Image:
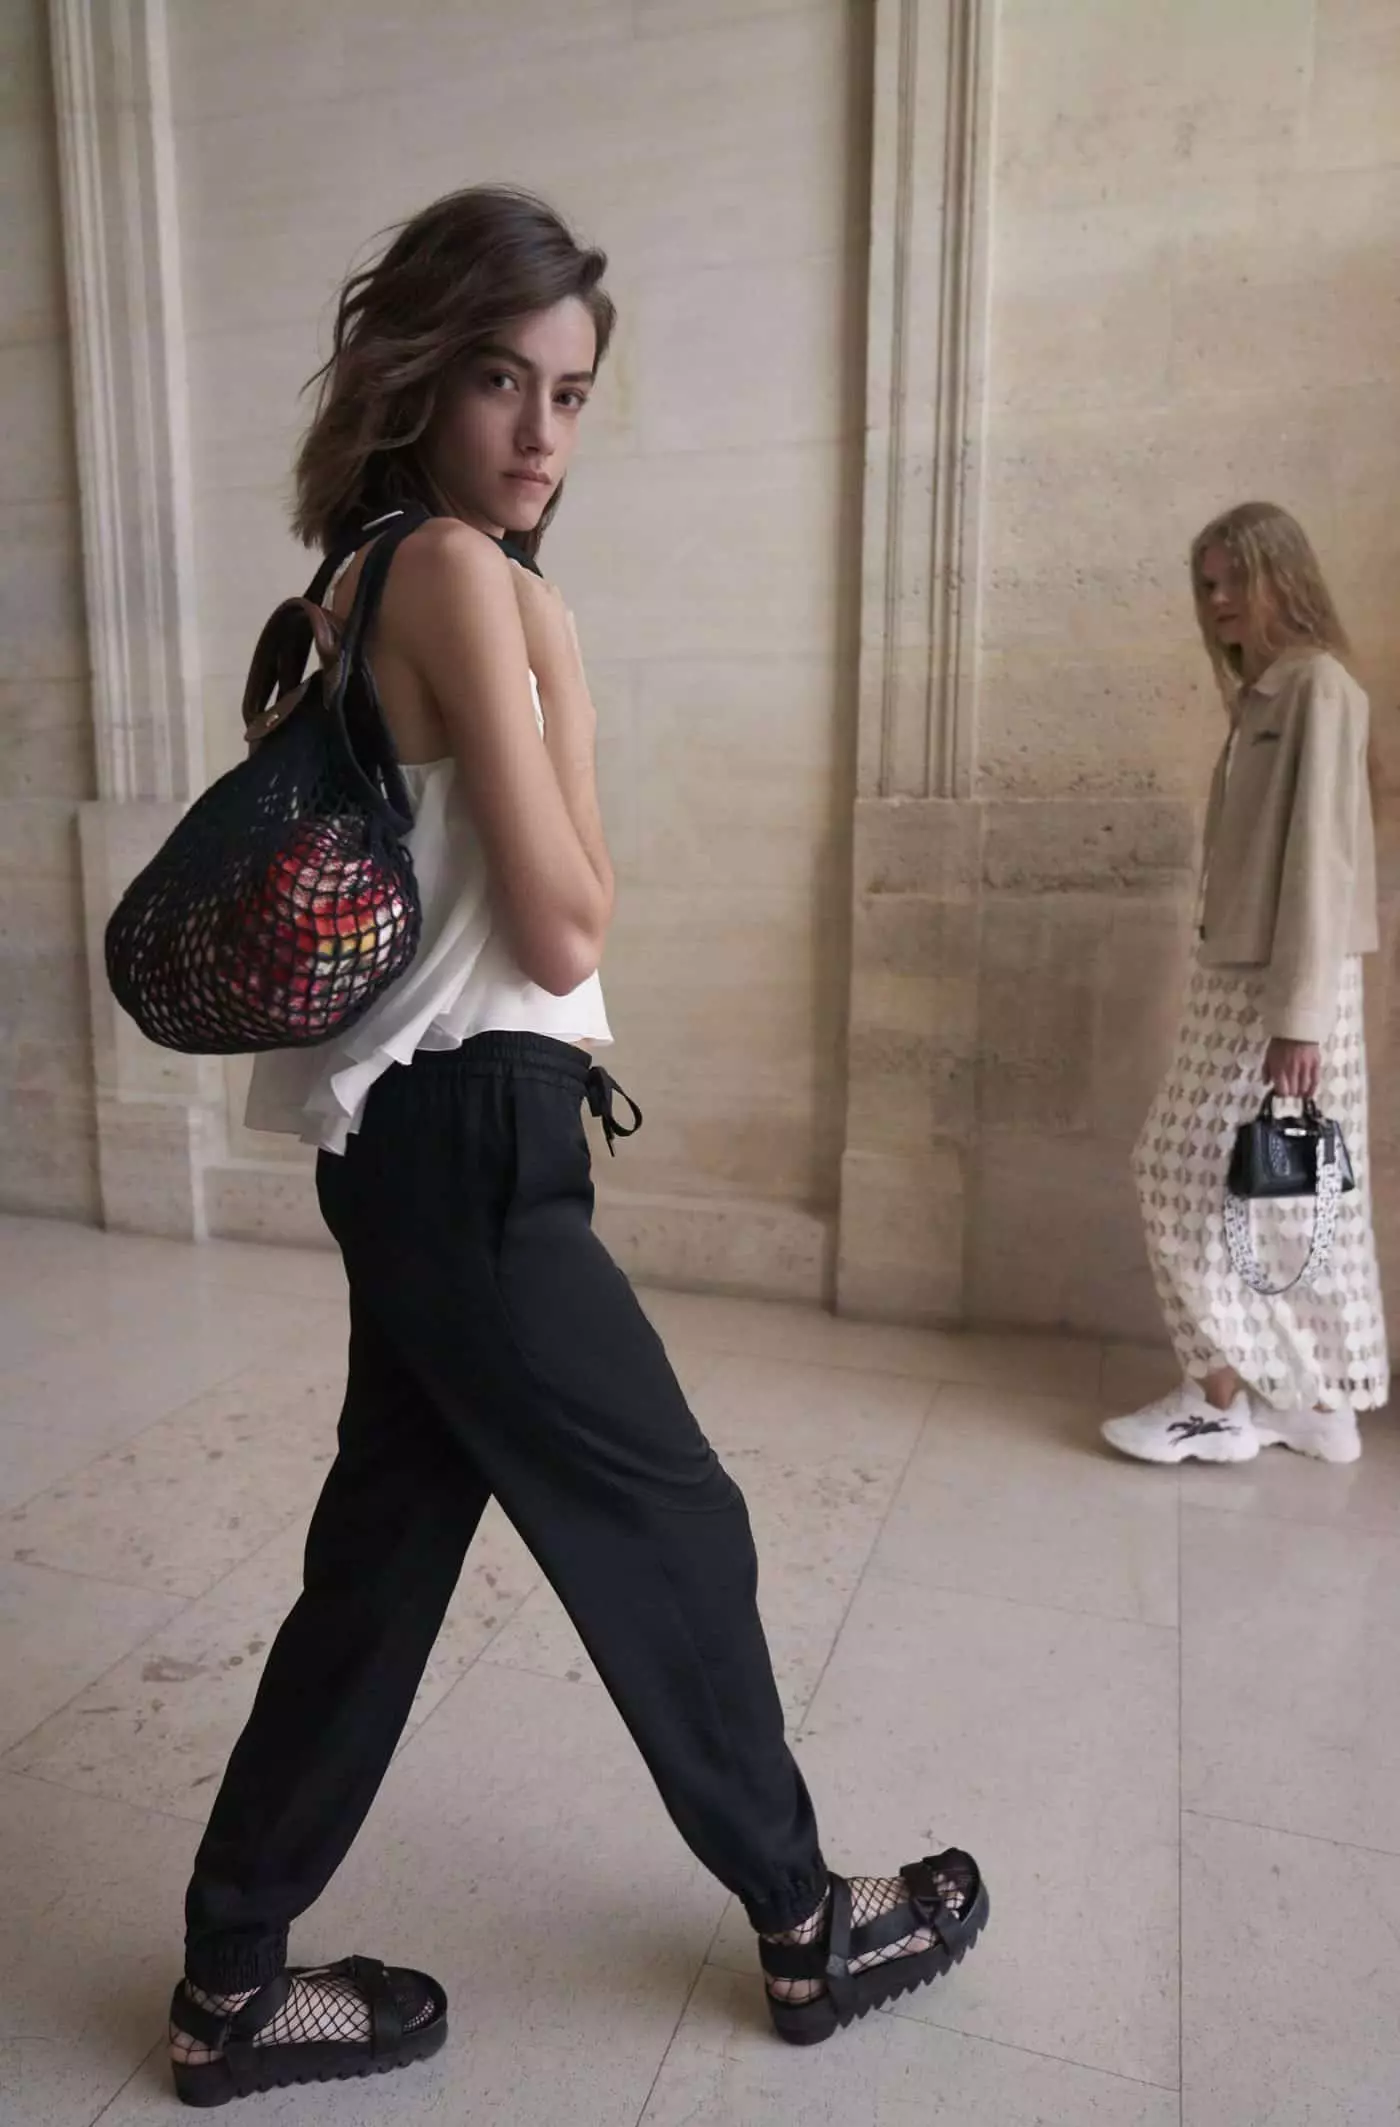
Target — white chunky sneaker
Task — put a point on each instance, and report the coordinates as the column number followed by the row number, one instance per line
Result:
column 1329, row 1436
column 1183, row 1426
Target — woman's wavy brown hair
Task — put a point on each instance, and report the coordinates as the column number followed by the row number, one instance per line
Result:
column 451, row 278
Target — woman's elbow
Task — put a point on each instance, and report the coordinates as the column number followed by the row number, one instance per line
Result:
column 563, row 961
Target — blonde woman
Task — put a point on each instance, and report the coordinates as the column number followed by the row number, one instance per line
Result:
column 1287, row 909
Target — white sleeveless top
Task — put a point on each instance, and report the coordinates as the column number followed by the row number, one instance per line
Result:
column 462, row 981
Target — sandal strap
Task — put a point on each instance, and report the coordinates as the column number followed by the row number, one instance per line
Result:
column 792, row 1960
column 839, row 1979
column 927, row 1902
column 227, row 2030
column 370, row 1979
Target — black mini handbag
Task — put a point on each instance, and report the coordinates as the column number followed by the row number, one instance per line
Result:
column 284, row 903
column 1285, row 1156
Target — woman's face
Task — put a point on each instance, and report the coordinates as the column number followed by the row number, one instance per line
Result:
column 1223, row 599
column 502, row 440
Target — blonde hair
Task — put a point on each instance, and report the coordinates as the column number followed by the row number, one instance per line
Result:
column 1286, row 600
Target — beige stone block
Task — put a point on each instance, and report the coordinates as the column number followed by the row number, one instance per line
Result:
column 729, row 1009
column 1054, row 1239
column 736, row 771
column 31, row 258
column 1089, row 516
column 1140, row 978
column 151, row 1157
column 38, row 463
column 1354, row 86
column 659, row 150
column 900, row 1239
column 48, row 1152
column 253, row 1200
column 930, row 846
column 1149, row 94
column 247, row 562
column 1079, row 294
column 39, row 876
column 1039, row 967
column 718, row 1244
column 247, row 412
column 1291, row 293
column 1145, row 725
column 913, row 1026
column 717, row 354
column 909, row 1087
column 45, row 740
column 913, row 935
column 731, row 555
column 1072, row 846
column 41, row 592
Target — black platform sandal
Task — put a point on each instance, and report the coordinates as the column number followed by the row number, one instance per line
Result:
column 407, row 2019
column 828, row 1958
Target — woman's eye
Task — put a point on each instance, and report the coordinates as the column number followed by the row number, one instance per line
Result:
column 500, row 379
column 573, row 401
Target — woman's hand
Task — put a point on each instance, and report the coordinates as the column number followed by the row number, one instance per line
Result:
column 1294, row 1068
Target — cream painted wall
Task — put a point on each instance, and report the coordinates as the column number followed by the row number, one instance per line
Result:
column 47, row 1129
column 1194, row 300
column 708, row 539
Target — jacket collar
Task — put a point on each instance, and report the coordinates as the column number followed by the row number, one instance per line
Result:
column 1272, row 678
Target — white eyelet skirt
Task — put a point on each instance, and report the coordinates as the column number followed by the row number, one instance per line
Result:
column 1314, row 1347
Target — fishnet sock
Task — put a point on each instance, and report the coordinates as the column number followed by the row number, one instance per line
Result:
column 870, row 1897
column 327, row 2009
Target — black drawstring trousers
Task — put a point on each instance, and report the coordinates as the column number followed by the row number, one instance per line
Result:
column 496, row 1349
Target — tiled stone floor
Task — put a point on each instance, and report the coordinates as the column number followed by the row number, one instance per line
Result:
column 1164, row 1709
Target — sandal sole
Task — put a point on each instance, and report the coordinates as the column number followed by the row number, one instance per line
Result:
column 810, row 2023
column 219, row 2083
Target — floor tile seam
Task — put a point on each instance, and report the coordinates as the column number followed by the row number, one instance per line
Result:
column 901, row 2014
column 421, row 1727
column 1018, row 1602
column 1287, row 1831
column 1008, row 2045
column 935, row 1380
column 675, row 2031
column 174, row 1410
column 1249, row 1516
column 185, row 1603
column 159, row 2047
column 88, row 1794
column 800, row 1719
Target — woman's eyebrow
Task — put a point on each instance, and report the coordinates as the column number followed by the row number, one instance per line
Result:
column 498, row 351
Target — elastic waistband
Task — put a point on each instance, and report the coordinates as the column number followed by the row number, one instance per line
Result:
column 507, row 1056
column 537, row 1056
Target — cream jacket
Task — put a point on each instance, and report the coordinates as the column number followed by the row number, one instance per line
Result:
column 1290, row 855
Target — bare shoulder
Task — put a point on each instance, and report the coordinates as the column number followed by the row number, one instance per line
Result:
column 444, row 554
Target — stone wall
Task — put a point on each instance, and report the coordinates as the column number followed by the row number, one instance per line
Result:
column 1194, row 216
column 945, row 325
column 47, row 1131
column 707, row 542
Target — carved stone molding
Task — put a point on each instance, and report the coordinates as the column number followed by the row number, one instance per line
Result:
column 925, row 371
column 121, row 243
column 159, row 1117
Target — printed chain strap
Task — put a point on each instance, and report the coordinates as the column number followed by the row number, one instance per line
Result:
column 1239, row 1233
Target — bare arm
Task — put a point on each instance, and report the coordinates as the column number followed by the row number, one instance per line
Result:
column 453, row 611
column 570, row 720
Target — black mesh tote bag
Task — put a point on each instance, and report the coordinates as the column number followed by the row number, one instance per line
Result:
column 284, row 903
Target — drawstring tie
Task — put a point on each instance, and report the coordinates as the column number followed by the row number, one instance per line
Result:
column 601, row 1090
